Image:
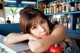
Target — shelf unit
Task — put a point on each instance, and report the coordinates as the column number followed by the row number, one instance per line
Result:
column 68, row 0
column 74, row 14
column 73, row 32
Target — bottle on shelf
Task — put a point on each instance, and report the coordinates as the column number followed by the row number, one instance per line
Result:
column 79, row 5
column 45, row 10
column 63, row 6
column 60, row 6
column 76, row 6
column 65, row 23
column 67, row 7
column 52, row 10
column 41, row 5
column 72, row 4
column 61, row 20
column 55, row 10
column 78, row 24
column 50, row 7
column 69, row 23
column 57, row 7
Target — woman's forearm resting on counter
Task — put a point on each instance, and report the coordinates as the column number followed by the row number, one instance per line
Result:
column 15, row 38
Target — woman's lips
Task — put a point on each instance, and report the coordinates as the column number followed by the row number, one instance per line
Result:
column 46, row 34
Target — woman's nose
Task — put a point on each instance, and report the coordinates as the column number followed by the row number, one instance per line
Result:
column 42, row 29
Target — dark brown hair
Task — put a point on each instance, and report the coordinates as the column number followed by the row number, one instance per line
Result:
column 27, row 15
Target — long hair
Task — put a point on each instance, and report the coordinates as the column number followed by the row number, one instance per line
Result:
column 27, row 14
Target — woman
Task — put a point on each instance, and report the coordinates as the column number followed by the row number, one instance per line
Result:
column 40, row 32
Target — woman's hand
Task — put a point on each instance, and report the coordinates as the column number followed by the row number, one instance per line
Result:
column 63, row 44
column 70, row 41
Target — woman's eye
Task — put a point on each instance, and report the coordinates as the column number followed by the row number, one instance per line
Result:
column 34, row 27
column 43, row 21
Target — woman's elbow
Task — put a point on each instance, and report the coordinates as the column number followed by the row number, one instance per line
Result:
column 35, row 47
column 36, row 50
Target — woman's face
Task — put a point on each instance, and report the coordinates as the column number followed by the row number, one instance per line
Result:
column 40, row 27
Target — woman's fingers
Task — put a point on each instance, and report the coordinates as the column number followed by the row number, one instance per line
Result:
column 63, row 44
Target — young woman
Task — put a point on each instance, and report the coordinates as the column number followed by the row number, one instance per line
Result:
column 40, row 32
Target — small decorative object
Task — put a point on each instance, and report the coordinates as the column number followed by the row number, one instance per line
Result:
column 55, row 49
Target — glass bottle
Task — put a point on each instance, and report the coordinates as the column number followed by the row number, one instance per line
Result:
column 72, row 6
column 69, row 22
column 79, row 5
column 76, row 6
column 61, row 20
column 64, row 6
column 48, row 9
column 60, row 7
column 78, row 24
column 45, row 9
column 67, row 7
column 52, row 10
column 55, row 8
column 65, row 23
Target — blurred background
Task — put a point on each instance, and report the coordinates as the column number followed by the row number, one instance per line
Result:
column 9, row 9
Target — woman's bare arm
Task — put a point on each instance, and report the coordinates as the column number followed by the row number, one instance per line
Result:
column 40, row 45
column 17, row 37
column 57, row 36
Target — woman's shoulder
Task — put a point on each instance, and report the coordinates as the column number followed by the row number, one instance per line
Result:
column 59, row 30
column 59, row 26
